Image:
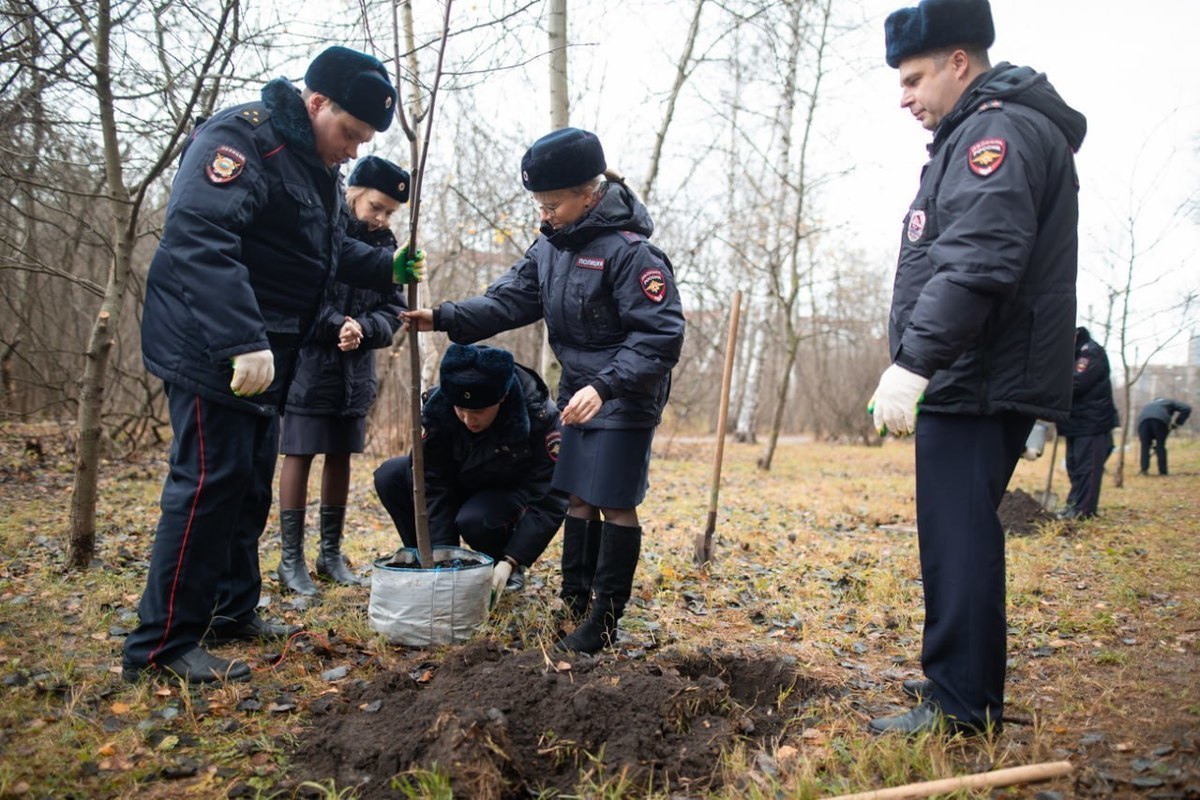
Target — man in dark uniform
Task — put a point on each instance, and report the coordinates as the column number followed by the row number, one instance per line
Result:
column 981, row 331
column 1158, row 418
column 254, row 234
column 1088, row 430
column 491, row 440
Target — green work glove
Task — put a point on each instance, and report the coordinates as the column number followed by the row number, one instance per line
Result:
column 406, row 268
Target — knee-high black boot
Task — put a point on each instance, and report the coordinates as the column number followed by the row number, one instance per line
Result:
column 331, row 564
column 293, row 572
column 612, row 586
column 581, row 547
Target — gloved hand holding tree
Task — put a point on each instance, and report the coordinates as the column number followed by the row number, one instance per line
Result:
column 408, row 268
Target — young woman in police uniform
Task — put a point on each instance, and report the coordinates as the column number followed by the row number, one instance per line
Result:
column 335, row 385
column 614, row 319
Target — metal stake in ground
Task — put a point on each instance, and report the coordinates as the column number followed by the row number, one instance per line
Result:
column 704, row 540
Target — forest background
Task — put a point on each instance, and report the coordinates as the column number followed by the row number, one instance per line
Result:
column 764, row 136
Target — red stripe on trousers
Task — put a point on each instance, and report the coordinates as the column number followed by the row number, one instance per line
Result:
column 186, row 535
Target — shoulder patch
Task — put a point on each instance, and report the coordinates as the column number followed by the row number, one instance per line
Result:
column 255, row 115
column 654, row 285
column 990, row 105
column 916, row 225
column 590, row 262
column 1081, row 364
column 226, row 164
column 630, row 236
column 553, row 444
column 985, row 156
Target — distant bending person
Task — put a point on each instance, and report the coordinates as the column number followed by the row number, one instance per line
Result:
column 1158, row 418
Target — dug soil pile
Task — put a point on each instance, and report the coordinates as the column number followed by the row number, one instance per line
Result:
column 1021, row 514
column 505, row 724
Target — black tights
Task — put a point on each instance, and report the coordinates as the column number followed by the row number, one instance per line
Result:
column 293, row 480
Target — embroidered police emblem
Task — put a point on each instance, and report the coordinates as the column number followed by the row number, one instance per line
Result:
column 226, row 165
column 985, row 156
column 654, row 285
column 588, row 262
column 553, row 444
column 916, row 225
column 1081, row 365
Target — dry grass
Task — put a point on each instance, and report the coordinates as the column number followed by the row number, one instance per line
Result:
column 1104, row 621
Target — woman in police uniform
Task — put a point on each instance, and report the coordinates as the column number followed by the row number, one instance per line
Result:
column 335, row 385
column 615, row 321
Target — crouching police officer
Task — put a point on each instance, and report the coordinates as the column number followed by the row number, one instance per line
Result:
column 491, row 441
column 255, row 232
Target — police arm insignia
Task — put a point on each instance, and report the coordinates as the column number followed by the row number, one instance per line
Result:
column 226, row 164
column 553, row 443
column 654, row 285
column 985, row 156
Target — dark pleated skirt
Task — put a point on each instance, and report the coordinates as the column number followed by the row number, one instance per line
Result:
column 306, row 435
column 606, row 468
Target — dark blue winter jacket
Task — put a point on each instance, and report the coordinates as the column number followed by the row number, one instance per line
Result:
column 1093, row 411
column 612, row 310
column 984, row 298
column 333, row 383
column 515, row 455
column 254, row 234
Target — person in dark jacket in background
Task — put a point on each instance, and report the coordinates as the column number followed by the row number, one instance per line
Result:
column 254, row 234
column 491, row 440
column 1088, row 430
column 1156, row 421
column 335, row 385
column 981, row 331
column 615, row 321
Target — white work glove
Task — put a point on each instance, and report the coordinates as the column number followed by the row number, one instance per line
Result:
column 894, row 404
column 252, row 373
column 500, row 575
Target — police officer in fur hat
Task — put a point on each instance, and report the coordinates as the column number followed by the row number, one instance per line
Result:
column 615, row 321
column 491, row 441
column 255, row 233
column 335, row 385
column 981, row 331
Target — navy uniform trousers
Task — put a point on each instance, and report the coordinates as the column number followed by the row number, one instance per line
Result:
column 204, row 562
column 963, row 466
column 485, row 519
column 1085, row 467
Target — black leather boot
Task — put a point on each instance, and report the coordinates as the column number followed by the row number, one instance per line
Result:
column 612, row 586
column 293, row 572
column 331, row 564
column 581, row 546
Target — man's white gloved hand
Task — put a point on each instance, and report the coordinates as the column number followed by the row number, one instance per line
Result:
column 894, row 404
column 252, row 373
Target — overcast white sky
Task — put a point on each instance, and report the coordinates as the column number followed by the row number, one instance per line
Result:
column 1129, row 67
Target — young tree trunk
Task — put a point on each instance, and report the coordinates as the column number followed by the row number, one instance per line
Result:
column 82, row 546
column 560, row 117
column 682, row 71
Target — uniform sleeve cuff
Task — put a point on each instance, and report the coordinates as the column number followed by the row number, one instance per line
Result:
column 602, row 389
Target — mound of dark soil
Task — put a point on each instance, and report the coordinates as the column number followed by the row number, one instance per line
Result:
column 1021, row 514
column 507, row 724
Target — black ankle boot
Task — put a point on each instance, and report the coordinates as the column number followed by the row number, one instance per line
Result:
column 331, row 564
column 293, row 572
column 581, row 546
column 612, row 586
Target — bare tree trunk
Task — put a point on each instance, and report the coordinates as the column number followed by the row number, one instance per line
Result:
column 682, row 71
column 560, row 117
column 91, row 389
column 560, row 100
